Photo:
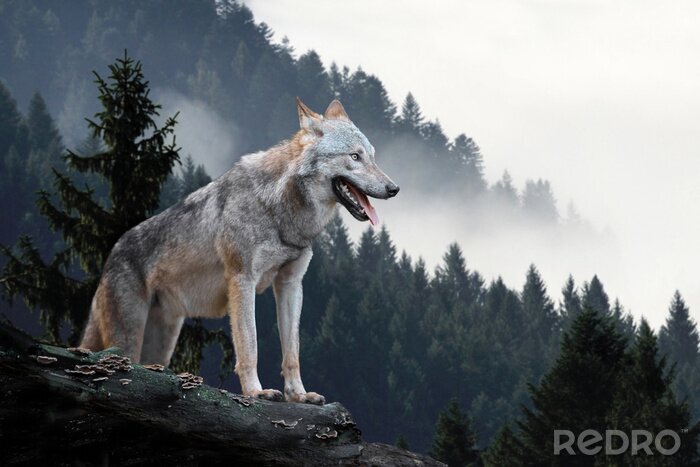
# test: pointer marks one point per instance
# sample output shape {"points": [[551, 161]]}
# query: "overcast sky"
{"points": [[602, 98]]}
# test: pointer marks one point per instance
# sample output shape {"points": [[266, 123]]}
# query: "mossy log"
{"points": [[68, 407]]}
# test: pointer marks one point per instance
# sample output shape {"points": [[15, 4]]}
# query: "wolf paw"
{"points": [[307, 398], [268, 395]]}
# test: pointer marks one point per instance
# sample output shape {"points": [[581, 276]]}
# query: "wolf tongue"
{"points": [[369, 210], [366, 205]]}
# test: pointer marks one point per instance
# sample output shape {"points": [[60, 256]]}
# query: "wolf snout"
{"points": [[392, 190]]}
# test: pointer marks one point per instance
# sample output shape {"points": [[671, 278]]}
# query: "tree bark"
{"points": [[90, 414]]}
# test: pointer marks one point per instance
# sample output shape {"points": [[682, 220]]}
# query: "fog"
{"points": [[201, 132], [601, 98], [497, 238]]}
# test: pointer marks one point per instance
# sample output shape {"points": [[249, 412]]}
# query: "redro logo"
{"points": [[588, 441]]}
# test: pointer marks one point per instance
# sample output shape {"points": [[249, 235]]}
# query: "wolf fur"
{"points": [[251, 228]]}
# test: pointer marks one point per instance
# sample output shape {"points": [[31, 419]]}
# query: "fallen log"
{"points": [[74, 407]]}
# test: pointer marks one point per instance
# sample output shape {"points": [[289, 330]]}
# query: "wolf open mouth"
{"points": [[354, 200]]}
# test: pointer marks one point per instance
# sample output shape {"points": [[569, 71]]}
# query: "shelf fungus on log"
{"points": [[44, 360]]}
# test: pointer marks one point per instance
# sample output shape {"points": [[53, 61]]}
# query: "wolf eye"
{"points": [[354, 156]]}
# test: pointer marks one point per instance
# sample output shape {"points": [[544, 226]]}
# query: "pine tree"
{"points": [[467, 154], [570, 306], [624, 321], [454, 282], [336, 346], [45, 143], [367, 101], [505, 451], [192, 177], [576, 393], [436, 140], [312, 81], [387, 258], [678, 340], [402, 443], [594, 296], [678, 337], [454, 442], [542, 323], [10, 121], [15, 182], [338, 80], [411, 118], [136, 162], [340, 246], [645, 400], [539, 202], [368, 254], [504, 190]]}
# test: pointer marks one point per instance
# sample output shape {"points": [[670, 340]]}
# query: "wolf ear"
{"points": [[335, 111], [308, 119]]}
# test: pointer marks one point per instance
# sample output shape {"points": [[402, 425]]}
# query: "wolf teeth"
{"points": [[348, 193]]}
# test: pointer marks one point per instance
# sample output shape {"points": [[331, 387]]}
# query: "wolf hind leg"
{"points": [[160, 336], [118, 315]]}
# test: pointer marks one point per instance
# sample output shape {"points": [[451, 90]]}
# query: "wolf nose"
{"points": [[392, 190]]}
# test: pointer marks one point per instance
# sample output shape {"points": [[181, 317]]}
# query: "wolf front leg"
{"points": [[288, 296], [241, 294]]}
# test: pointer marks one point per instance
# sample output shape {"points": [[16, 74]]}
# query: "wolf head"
{"points": [[343, 158]]}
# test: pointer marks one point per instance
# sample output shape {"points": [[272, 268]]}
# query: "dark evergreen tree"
{"points": [[454, 442], [570, 306], [505, 192], [678, 338], [45, 143], [10, 121], [542, 325], [136, 162], [402, 443], [14, 180], [312, 81], [594, 296], [338, 80], [646, 401], [411, 118], [367, 255], [406, 376], [436, 140], [624, 321], [467, 154], [453, 280], [192, 177], [505, 451], [367, 102], [576, 393]]}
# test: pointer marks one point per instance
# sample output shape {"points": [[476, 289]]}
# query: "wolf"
{"points": [[249, 229]]}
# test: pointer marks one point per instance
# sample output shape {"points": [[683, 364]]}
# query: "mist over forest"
{"points": [[468, 286]]}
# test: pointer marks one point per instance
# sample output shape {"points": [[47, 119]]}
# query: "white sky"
{"points": [[602, 98]]}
